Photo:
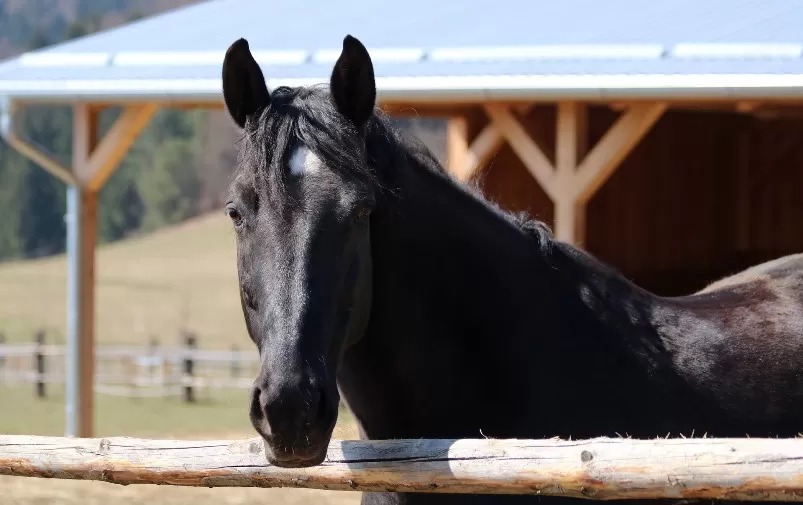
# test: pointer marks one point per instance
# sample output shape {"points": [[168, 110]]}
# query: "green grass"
{"points": [[221, 415], [183, 276], [216, 414], [22, 413], [146, 286]]}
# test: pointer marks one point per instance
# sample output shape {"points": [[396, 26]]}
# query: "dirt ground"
{"points": [[25, 491]]}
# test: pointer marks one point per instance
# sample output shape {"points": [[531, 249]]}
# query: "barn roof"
{"points": [[444, 49]]}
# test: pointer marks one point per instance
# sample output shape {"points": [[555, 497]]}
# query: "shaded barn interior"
{"points": [[704, 194]]}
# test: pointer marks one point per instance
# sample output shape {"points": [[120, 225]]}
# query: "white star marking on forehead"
{"points": [[304, 162]]}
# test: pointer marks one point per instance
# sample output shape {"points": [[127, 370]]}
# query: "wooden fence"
{"points": [[133, 371], [599, 469]]}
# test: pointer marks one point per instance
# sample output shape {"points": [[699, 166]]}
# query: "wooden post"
{"points": [[94, 160], [132, 375], [571, 146], [82, 231], [39, 363], [153, 354], [457, 144], [189, 364], [236, 366]]}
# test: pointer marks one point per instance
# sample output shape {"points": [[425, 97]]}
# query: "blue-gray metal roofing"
{"points": [[444, 48]]}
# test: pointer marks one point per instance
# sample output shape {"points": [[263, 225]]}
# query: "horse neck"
{"points": [[439, 243], [467, 252], [442, 240], [460, 287]]}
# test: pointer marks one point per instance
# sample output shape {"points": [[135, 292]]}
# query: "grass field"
{"points": [[223, 416], [150, 285], [146, 286]]}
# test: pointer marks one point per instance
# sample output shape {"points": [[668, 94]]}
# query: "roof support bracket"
{"points": [[484, 146], [93, 162], [577, 175], [36, 153], [527, 149], [111, 150]]}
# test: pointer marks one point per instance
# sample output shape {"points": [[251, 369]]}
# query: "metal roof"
{"points": [[440, 50]]}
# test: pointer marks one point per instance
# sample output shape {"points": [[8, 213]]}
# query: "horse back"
{"points": [[739, 343], [784, 273]]}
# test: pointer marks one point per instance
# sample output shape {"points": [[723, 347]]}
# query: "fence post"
{"points": [[39, 363], [153, 354], [235, 362], [2, 356], [191, 344]]}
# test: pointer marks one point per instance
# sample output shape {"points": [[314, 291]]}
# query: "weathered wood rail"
{"points": [[601, 469]]}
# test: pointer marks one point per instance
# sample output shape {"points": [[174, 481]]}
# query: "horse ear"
{"points": [[352, 82], [244, 89]]}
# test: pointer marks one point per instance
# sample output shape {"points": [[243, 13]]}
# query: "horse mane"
{"points": [[410, 149], [306, 115]]}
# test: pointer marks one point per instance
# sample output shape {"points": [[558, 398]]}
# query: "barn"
{"points": [[664, 137]]}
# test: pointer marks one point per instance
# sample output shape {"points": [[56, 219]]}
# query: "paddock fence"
{"points": [[596, 469], [133, 371]]}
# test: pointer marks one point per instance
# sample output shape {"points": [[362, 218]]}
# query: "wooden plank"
{"points": [[602, 468], [528, 151], [613, 147], [115, 144]]}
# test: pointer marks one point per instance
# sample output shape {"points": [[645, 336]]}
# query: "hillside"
{"points": [[151, 285], [177, 169]]}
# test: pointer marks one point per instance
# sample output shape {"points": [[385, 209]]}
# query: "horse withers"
{"points": [[366, 271]]}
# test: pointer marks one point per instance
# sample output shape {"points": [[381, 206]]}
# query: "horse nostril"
{"points": [[257, 412]]}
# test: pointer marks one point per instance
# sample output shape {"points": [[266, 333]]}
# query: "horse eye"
{"points": [[234, 215]]}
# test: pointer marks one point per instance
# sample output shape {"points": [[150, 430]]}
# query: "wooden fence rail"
{"points": [[131, 371], [599, 469]]}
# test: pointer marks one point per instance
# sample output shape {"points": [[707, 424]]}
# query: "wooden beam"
{"points": [[570, 221], [747, 107], [524, 146], [571, 137], [45, 161], [571, 145], [457, 145], [482, 149], [85, 137], [114, 146], [749, 469], [486, 144], [614, 146]]}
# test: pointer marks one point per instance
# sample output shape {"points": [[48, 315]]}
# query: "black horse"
{"points": [[366, 271]]}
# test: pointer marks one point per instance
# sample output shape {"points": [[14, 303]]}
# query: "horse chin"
{"points": [[295, 459]]}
